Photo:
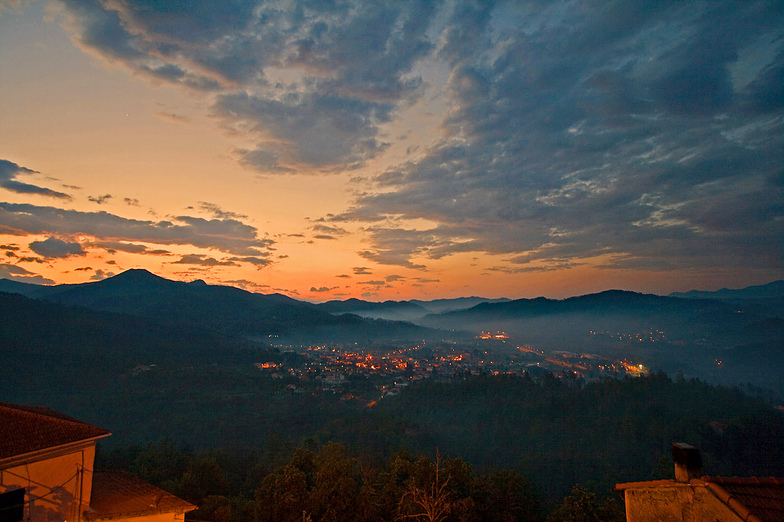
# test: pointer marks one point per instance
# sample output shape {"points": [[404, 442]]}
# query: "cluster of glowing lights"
{"points": [[652, 336], [488, 335]]}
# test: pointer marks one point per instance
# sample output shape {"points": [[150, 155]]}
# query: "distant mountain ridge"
{"points": [[404, 310], [224, 309], [773, 289]]}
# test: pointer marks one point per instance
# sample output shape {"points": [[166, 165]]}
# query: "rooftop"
{"points": [[27, 429], [753, 499], [750, 497], [119, 494]]}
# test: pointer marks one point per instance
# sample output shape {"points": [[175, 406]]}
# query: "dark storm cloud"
{"points": [[9, 171], [650, 133], [345, 66], [226, 235]]}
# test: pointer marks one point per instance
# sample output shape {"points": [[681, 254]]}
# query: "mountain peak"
{"points": [[136, 276]]}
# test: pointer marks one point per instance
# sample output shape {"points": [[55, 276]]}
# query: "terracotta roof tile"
{"points": [[118, 493], [646, 484], [753, 498], [25, 429]]}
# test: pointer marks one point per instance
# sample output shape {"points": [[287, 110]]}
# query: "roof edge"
{"points": [[50, 452]]}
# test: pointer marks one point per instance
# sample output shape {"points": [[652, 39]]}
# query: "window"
{"points": [[12, 506]]}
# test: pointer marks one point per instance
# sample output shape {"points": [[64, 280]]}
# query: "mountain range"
{"points": [[224, 309], [728, 336]]}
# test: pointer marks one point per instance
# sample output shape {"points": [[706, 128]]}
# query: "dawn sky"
{"points": [[394, 150]]}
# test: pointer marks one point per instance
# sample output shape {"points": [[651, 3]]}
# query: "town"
{"points": [[372, 373]]}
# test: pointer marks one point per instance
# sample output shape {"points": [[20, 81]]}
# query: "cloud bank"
{"points": [[647, 135], [113, 232]]}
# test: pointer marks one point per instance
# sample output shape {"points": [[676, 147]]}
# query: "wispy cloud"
{"points": [[9, 171], [17, 273], [218, 212], [100, 199], [202, 260], [226, 235]]}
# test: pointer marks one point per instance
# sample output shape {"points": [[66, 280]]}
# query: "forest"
{"points": [[483, 448]]}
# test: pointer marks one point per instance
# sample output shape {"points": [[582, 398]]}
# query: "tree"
{"points": [[282, 494], [334, 496], [506, 496], [430, 501], [583, 506]]}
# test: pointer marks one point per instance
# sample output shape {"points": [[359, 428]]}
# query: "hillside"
{"points": [[224, 309]]}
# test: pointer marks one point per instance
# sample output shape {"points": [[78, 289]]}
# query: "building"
{"points": [[46, 474], [693, 497]]}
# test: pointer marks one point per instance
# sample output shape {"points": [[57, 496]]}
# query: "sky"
{"points": [[394, 150]]}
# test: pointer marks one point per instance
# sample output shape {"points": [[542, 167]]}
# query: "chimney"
{"points": [[688, 462]]}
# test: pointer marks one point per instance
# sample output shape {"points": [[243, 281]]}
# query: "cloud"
{"points": [[100, 275], [30, 259], [312, 83], [260, 262], [226, 235], [113, 246], [202, 260], [646, 134], [9, 4], [17, 273], [374, 283], [100, 199], [56, 248], [9, 171], [322, 289], [328, 232], [176, 118], [218, 212], [361, 270], [248, 285]]}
